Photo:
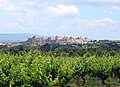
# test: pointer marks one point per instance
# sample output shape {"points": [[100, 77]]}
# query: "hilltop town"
{"points": [[56, 40]]}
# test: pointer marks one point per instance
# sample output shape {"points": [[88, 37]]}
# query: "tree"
{"points": [[46, 47]]}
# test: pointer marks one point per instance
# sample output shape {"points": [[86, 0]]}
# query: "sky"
{"points": [[95, 19]]}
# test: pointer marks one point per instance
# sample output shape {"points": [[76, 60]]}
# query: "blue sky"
{"points": [[95, 19]]}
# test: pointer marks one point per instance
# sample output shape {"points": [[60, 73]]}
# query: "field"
{"points": [[35, 69]]}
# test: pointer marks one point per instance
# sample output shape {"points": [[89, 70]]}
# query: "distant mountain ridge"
{"points": [[16, 37]]}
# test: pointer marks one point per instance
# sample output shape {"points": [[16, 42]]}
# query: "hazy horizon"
{"points": [[95, 19]]}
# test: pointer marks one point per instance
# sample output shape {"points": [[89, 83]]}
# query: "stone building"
{"points": [[57, 40]]}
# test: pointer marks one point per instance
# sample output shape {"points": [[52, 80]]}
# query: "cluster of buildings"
{"points": [[56, 40]]}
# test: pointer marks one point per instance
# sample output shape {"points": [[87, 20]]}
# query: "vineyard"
{"points": [[34, 69]]}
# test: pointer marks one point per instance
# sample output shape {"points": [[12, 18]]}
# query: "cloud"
{"points": [[88, 27], [116, 7], [91, 24], [19, 9], [31, 2], [7, 6], [31, 13], [96, 2], [62, 10], [12, 24], [12, 8], [3, 3]]}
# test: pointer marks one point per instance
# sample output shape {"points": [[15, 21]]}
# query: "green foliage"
{"points": [[35, 69], [46, 47]]}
